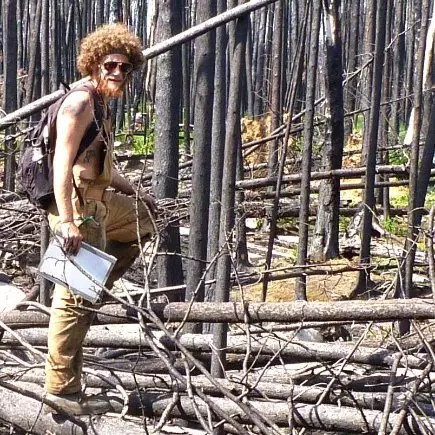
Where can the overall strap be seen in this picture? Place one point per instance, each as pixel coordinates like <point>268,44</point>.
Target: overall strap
<point>93,130</point>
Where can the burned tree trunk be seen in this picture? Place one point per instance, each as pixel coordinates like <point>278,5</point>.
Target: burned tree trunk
<point>232,141</point>
<point>200,195</point>
<point>372,141</point>
<point>300,290</point>
<point>9,102</point>
<point>166,146</point>
<point>324,245</point>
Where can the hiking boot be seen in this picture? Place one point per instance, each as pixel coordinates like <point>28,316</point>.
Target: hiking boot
<point>79,404</point>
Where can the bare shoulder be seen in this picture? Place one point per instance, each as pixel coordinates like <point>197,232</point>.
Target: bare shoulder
<point>77,105</point>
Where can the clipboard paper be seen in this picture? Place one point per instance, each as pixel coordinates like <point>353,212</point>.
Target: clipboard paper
<point>83,274</point>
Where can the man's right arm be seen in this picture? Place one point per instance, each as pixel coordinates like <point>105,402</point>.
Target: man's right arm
<point>73,119</point>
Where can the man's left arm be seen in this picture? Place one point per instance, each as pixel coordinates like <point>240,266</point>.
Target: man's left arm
<point>121,184</point>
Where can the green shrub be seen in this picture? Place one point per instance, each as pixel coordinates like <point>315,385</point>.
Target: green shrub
<point>394,225</point>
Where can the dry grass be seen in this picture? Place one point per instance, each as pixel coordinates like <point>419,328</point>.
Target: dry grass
<point>319,288</point>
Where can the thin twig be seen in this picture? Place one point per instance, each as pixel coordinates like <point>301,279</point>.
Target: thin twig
<point>390,393</point>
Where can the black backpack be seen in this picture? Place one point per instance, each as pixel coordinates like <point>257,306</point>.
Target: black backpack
<point>35,166</point>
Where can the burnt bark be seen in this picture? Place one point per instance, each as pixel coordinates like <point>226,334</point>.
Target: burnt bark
<point>232,141</point>
<point>372,143</point>
<point>9,103</point>
<point>200,195</point>
<point>324,245</point>
<point>166,154</point>
<point>217,151</point>
<point>404,287</point>
<point>300,289</point>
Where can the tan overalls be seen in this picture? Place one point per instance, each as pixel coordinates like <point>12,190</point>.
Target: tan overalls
<point>107,221</point>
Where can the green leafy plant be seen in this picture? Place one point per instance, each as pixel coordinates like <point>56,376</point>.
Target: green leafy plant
<point>394,225</point>
<point>144,143</point>
<point>343,223</point>
<point>400,200</point>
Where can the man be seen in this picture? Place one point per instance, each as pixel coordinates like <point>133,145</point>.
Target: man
<point>85,209</point>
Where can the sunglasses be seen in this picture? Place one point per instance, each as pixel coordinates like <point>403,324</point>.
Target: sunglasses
<point>111,66</point>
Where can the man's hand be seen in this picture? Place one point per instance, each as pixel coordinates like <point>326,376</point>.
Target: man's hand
<point>150,202</point>
<point>72,237</point>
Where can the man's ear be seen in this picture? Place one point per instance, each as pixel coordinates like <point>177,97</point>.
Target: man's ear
<point>96,71</point>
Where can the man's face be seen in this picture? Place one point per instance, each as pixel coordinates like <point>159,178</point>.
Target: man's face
<point>113,72</point>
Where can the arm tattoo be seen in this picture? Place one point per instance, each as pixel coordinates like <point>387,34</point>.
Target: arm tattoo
<point>74,109</point>
<point>89,154</point>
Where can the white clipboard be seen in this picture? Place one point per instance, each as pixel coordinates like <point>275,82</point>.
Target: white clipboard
<point>75,272</point>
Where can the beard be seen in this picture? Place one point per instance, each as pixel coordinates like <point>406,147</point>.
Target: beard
<point>111,89</point>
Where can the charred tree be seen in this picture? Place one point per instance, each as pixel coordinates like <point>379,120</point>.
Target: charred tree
<point>232,140</point>
<point>9,103</point>
<point>300,289</point>
<point>34,71</point>
<point>275,98</point>
<point>217,150</point>
<point>353,27</point>
<point>324,245</point>
<point>166,153</point>
<point>366,80</point>
<point>418,178</point>
<point>372,141</point>
<point>200,195</point>
<point>260,62</point>
<point>185,49</point>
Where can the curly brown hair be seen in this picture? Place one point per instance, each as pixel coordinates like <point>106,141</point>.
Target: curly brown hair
<point>109,39</point>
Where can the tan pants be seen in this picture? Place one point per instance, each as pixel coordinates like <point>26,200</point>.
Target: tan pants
<point>110,225</point>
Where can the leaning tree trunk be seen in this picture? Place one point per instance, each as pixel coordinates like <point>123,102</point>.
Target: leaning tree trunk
<point>324,245</point>
<point>166,152</point>
<point>200,194</point>
<point>300,289</point>
<point>372,142</point>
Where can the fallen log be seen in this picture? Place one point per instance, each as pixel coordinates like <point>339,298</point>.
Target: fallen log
<point>300,311</point>
<point>28,414</point>
<point>25,412</point>
<point>254,312</point>
<point>107,314</point>
<point>302,350</point>
<point>130,337</point>
<point>269,390</point>
<point>325,417</point>
<point>322,175</point>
